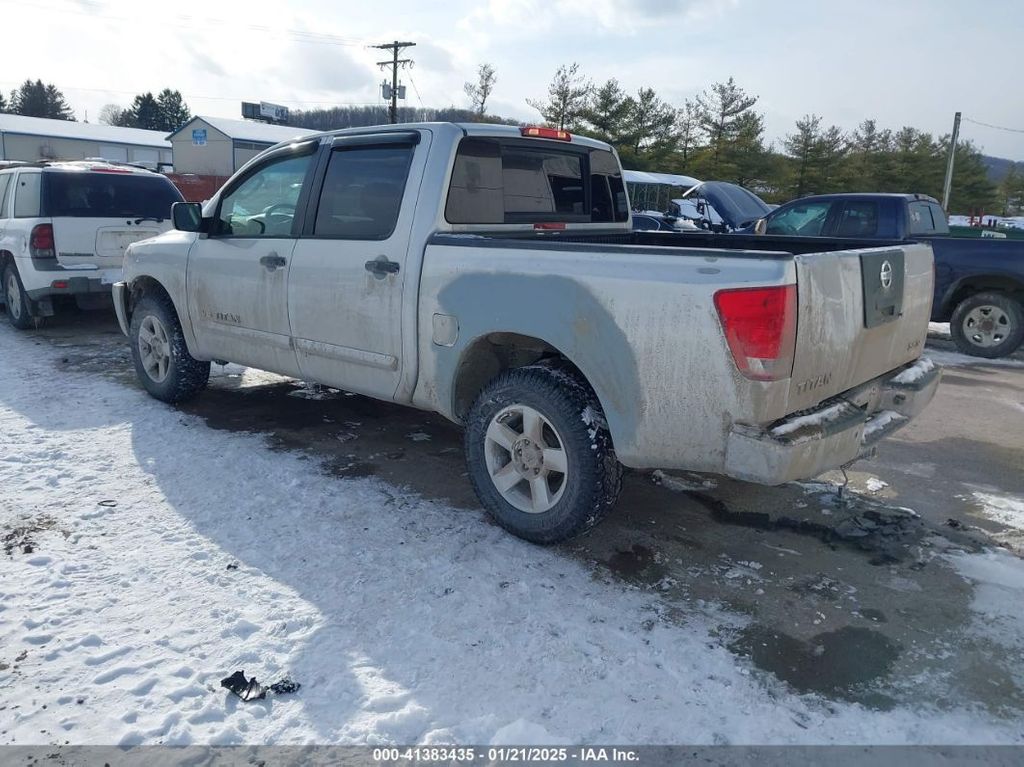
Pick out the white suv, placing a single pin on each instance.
(64, 227)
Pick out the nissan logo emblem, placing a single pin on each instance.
(886, 274)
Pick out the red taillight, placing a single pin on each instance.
(40, 242)
(550, 225)
(760, 327)
(552, 133)
(59, 284)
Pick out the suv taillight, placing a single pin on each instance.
(40, 242)
(760, 327)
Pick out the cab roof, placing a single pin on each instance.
(467, 129)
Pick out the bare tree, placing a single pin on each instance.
(480, 91)
(110, 114)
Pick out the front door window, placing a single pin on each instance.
(264, 204)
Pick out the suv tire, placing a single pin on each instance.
(162, 361)
(539, 453)
(17, 304)
(987, 325)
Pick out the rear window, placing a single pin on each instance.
(108, 195)
(514, 182)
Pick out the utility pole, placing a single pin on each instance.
(395, 63)
(949, 162)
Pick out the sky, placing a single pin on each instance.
(901, 62)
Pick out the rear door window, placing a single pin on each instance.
(802, 219)
(113, 194)
(857, 218)
(362, 192)
(26, 196)
(512, 182)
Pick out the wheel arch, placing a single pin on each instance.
(491, 354)
(992, 282)
(146, 284)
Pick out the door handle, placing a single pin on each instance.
(271, 261)
(380, 267)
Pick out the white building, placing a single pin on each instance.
(31, 139)
(218, 146)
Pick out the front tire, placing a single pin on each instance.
(17, 304)
(539, 453)
(987, 325)
(162, 361)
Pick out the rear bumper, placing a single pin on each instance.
(840, 431)
(120, 294)
(43, 284)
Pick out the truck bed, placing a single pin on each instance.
(744, 245)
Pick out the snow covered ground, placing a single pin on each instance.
(148, 556)
(950, 357)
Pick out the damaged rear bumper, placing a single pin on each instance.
(835, 433)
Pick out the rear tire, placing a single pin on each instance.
(987, 325)
(162, 361)
(539, 453)
(17, 304)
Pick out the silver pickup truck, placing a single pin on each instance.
(491, 274)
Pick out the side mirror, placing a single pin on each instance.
(187, 216)
(761, 226)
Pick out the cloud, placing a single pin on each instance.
(322, 68)
(530, 17)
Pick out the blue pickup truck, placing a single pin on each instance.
(979, 282)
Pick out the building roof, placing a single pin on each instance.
(247, 130)
(106, 134)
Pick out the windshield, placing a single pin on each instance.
(108, 195)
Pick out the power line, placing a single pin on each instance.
(416, 91)
(994, 127)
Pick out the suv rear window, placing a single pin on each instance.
(90, 194)
(517, 181)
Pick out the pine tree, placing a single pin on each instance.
(145, 113)
(34, 99)
(481, 90)
(173, 110)
(568, 98)
(608, 112)
(802, 147)
(1011, 192)
(3, 104)
(971, 190)
(688, 130)
(650, 133)
(719, 111)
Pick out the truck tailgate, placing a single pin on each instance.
(861, 313)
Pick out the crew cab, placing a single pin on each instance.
(491, 274)
(64, 227)
(979, 282)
